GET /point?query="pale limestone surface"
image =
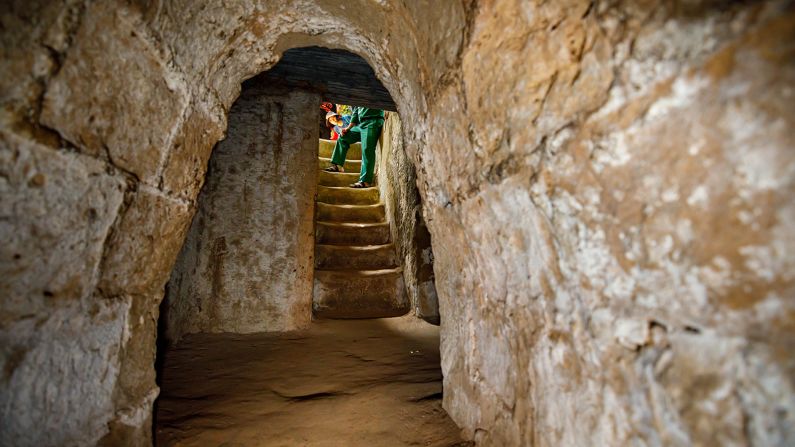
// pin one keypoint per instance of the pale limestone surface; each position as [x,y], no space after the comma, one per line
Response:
[247,263]
[619,255]
[397,182]
[103,114]
[59,343]
[608,186]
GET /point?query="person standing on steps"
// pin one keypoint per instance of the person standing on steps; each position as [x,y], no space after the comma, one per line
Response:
[365,126]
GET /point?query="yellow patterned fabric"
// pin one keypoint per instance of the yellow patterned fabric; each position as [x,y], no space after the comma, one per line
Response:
[342,109]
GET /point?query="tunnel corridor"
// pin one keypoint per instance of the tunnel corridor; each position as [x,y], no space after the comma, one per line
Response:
[256,346]
[592,199]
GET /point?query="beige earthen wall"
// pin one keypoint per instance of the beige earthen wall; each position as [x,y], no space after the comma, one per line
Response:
[397,182]
[608,186]
[246,265]
[615,258]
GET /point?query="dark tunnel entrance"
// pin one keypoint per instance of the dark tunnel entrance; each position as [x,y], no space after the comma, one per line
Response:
[281,246]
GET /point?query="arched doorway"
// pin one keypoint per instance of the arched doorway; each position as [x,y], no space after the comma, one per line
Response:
[247,268]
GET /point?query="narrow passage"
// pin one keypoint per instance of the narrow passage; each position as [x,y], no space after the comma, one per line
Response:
[339,383]
[357,271]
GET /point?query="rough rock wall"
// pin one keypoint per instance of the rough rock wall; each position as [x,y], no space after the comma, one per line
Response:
[247,264]
[615,259]
[398,184]
[88,236]
[613,255]
[109,111]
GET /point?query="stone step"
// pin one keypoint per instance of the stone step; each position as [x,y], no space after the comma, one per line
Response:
[359,294]
[355,257]
[351,213]
[349,233]
[337,178]
[352,166]
[347,196]
[326,148]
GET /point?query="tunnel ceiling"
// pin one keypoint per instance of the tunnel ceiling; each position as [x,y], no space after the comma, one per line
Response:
[340,76]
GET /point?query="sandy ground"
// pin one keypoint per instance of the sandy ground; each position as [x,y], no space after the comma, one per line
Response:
[341,383]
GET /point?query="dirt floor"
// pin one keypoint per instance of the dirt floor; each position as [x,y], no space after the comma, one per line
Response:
[342,383]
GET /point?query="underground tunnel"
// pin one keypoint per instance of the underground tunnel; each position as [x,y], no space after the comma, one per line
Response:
[254,263]
[606,188]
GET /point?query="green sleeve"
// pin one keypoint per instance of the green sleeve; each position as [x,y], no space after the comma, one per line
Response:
[355,117]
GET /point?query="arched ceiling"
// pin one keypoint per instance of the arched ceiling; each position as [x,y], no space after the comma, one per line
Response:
[340,76]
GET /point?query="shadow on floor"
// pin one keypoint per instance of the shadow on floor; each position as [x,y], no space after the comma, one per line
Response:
[340,383]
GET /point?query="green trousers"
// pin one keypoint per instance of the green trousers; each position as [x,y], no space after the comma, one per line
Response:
[368,133]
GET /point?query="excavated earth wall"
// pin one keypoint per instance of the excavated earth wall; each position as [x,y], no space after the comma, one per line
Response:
[397,181]
[246,264]
[615,259]
[608,186]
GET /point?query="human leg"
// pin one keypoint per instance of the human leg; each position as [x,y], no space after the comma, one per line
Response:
[343,143]
[369,136]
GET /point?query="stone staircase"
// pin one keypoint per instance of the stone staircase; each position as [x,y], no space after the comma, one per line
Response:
[357,273]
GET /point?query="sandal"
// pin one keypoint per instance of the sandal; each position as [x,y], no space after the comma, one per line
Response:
[360,185]
[334,168]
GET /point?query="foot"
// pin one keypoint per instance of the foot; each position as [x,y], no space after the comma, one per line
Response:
[334,168]
[361,185]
